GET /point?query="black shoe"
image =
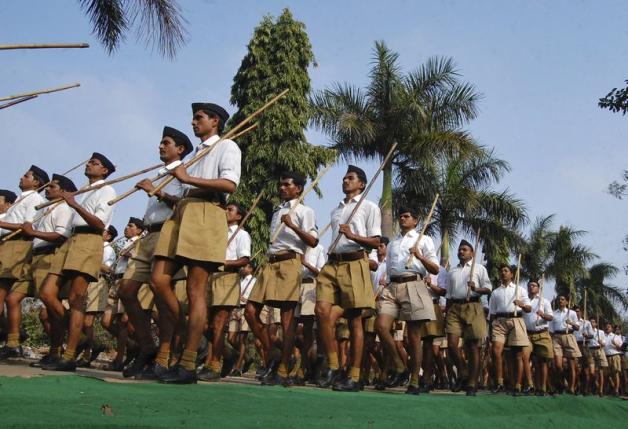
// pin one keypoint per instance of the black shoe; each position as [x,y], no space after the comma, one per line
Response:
[46,359]
[527,391]
[380,385]
[413,390]
[459,384]
[425,388]
[138,364]
[209,375]
[297,381]
[272,366]
[540,393]
[179,375]
[348,385]
[82,363]
[7,352]
[274,379]
[498,389]
[60,365]
[329,377]
[471,391]
[152,372]
[114,366]
[235,372]
[96,351]
[397,379]
[516,392]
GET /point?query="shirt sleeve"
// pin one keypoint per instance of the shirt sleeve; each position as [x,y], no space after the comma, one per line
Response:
[230,163]
[524,295]
[104,211]
[321,260]
[427,249]
[308,222]
[373,221]
[109,256]
[443,279]
[485,282]
[61,219]
[243,249]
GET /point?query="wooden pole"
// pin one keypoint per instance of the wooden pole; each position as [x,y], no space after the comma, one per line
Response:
[584,312]
[45,46]
[472,271]
[517,274]
[17,101]
[109,182]
[246,217]
[41,91]
[426,222]
[363,195]
[319,176]
[234,131]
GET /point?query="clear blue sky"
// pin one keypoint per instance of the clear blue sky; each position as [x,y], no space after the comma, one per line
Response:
[540,65]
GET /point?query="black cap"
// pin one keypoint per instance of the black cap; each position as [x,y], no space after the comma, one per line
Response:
[64,183]
[112,231]
[358,171]
[464,242]
[179,138]
[297,178]
[9,196]
[212,108]
[39,174]
[137,222]
[104,161]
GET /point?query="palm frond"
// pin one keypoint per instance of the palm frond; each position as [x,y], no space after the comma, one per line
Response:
[160,24]
[109,21]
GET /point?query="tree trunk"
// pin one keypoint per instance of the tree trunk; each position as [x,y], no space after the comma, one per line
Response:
[385,202]
[444,248]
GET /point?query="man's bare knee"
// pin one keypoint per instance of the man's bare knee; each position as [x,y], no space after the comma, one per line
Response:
[78,302]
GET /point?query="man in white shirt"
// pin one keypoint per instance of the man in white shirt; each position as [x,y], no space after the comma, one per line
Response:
[562,326]
[279,282]
[15,253]
[224,290]
[612,349]
[196,235]
[540,341]
[410,258]
[344,284]
[506,307]
[597,357]
[465,315]
[81,255]
[173,148]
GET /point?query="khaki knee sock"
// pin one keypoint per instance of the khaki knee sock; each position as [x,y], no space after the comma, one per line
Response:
[13,340]
[162,358]
[188,360]
[333,361]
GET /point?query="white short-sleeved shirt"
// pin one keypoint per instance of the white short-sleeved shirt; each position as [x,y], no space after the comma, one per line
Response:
[23,210]
[108,255]
[158,211]
[503,297]
[398,254]
[53,219]
[303,217]
[585,329]
[314,256]
[380,273]
[613,344]
[223,162]
[560,316]
[240,246]
[459,276]
[367,222]
[598,339]
[533,321]
[95,202]
[246,286]
[125,255]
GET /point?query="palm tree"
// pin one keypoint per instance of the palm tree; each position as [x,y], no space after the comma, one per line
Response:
[536,249]
[420,111]
[157,22]
[467,202]
[602,298]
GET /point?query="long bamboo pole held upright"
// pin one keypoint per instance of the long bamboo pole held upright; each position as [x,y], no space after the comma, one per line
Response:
[472,271]
[426,223]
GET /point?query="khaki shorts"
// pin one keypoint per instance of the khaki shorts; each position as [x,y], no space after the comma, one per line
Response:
[139,267]
[270,315]
[342,329]
[510,331]
[223,290]
[466,321]
[400,330]
[441,342]
[565,344]
[624,362]
[84,254]
[146,297]
[278,282]
[237,321]
[15,259]
[197,231]
[614,363]
[97,296]
[307,300]
[434,328]
[597,358]
[58,259]
[541,344]
[347,284]
[369,325]
[40,267]
[584,351]
[406,301]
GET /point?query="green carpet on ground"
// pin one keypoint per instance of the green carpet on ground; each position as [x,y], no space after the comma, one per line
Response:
[73,401]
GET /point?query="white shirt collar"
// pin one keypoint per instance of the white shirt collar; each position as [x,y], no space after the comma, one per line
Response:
[507,286]
[97,182]
[355,199]
[210,141]
[25,193]
[233,227]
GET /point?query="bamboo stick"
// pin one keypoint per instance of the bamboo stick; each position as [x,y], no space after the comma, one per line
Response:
[472,271]
[100,185]
[584,312]
[517,274]
[363,196]
[41,91]
[426,223]
[17,101]
[246,217]
[45,46]
[228,135]
[319,176]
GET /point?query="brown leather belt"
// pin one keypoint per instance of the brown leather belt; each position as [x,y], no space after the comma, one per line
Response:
[509,315]
[563,332]
[346,257]
[45,250]
[278,257]
[407,278]
[595,348]
[86,230]
[156,227]
[464,301]
[307,280]
[536,332]
[231,269]
[212,197]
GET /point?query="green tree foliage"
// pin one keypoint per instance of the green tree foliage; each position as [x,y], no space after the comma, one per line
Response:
[279,55]
[616,100]
[603,299]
